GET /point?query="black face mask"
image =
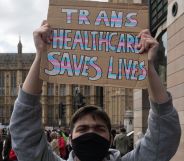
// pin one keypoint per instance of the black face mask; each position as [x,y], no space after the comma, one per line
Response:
[90,147]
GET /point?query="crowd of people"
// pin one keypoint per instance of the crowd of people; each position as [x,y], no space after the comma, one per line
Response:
[58,139]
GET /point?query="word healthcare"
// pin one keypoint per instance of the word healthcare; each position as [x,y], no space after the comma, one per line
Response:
[94,41]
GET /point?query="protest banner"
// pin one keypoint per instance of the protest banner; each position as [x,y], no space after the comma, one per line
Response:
[94,43]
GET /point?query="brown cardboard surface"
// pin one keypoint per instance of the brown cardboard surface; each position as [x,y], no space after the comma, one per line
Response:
[95,45]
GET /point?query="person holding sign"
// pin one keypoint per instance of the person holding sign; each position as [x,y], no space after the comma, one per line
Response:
[90,127]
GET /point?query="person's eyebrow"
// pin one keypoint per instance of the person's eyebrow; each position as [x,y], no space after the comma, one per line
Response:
[93,126]
[82,126]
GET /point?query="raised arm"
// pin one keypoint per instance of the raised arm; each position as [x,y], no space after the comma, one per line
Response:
[32,83]
[28,138]
[162,137]
[148,44]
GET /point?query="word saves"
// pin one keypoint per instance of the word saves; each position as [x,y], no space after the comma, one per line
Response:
[73,65]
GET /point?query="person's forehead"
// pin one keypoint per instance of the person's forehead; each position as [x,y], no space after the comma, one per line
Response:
[89,120]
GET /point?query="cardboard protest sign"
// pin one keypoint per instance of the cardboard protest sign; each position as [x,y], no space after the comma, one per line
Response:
[93,43]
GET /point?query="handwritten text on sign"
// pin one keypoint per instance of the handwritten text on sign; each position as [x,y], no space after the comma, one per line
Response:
[95,45]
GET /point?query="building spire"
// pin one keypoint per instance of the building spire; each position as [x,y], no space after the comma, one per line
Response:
[19,46]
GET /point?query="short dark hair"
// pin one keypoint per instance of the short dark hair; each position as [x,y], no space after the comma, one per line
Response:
[94,111]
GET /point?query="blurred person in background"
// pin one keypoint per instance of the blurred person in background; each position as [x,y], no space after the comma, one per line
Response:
[54,142]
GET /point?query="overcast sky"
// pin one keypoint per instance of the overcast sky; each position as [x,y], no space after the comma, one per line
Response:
[20,17]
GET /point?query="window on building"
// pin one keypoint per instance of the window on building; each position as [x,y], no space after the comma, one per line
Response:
[62,114]
[158,14]
[1,114]
[86,94]
[62,90]
[86,91]
[7,114]
[13,83]
[161,64]
[50,89]
[50,115]
[56,89]
[99,96]
[74,88]
[24,74]
[113,109]
[1,83]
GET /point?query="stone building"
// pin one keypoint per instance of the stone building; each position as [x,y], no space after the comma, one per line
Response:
[175,65]
[13,69]
[57,100]
[117,102]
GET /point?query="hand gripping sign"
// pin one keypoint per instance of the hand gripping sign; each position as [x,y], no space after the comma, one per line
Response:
[94,43]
